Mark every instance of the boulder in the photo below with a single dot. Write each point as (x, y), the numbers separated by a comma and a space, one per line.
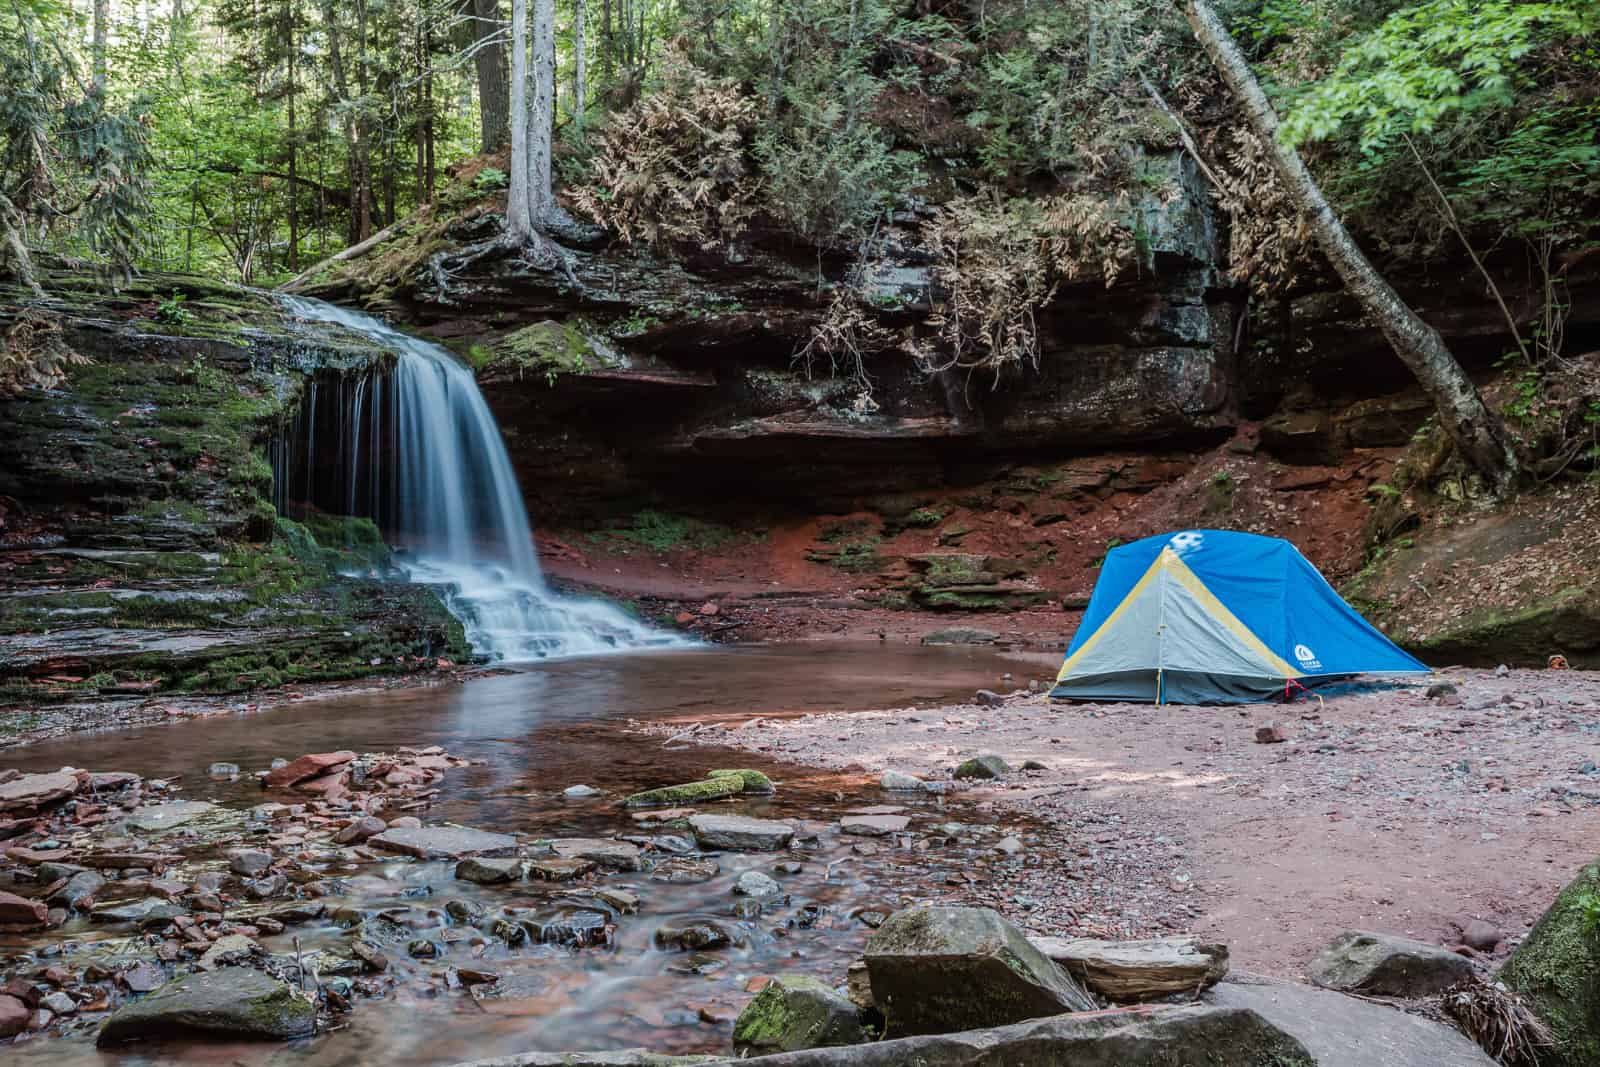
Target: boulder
(753, 781)
(756, 884)
(235, 1003)
(309, 766)
(1359, 961)
(1557, 970)
(175, 813)
(1139, 970)
(612, 855)
(1144, 1036)
(21, 912)
(489, 871)
(899, 781)
(1341, 1031)
(939, 969)
(796, 1012)
(442, 842)
(985, 766)
(673, 796)
(738, 833)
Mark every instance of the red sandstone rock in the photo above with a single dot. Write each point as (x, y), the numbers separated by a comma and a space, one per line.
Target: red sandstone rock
(16, 911)
(308, 766)
(13, 1016)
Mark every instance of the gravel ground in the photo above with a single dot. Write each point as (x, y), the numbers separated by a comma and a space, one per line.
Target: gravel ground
(1383, 809)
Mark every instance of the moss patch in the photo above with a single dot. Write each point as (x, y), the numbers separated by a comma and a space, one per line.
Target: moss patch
(1558, 970)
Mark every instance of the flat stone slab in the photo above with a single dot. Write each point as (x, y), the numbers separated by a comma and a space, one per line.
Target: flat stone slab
(312, 765)
(443, 842)
(614, 855)
(1341, 1031)
(873, 825)
(741, 834)
(1138, 970)
(33, 790)
(175, 813)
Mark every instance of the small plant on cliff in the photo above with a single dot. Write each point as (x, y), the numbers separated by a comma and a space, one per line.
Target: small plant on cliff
(171, 312)
(672, 168)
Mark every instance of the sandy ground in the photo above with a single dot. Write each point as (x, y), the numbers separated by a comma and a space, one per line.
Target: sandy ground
(1385, 809)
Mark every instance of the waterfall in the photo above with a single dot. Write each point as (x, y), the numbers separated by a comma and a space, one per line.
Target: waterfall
(417, 450)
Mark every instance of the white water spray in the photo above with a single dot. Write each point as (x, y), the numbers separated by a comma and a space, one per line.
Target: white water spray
(437, 471)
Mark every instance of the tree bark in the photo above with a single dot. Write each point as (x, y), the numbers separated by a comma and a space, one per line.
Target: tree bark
(519, 220)
(489, 60)
(102, 20)
(580, 65)
(294, 154)
(1478, 433)
(542, 116)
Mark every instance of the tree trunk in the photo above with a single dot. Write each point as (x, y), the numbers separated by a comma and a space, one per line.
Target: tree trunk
(489, 59)
(1477, 432)
(541, 119)
(294, 154)
(519, 221)
(102, 20)
(580, 65)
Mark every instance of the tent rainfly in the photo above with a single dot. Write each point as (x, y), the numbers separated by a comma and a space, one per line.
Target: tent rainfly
(1215, 617)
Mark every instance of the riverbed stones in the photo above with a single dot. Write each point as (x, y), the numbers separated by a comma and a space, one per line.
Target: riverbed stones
(680, 870)
(939, 969)
(489, 870)
(556, 869)
(38, 790)
(368, 826)
(249, 862)
(14, 1016)
(873, 825)
(740, 834)
(569, 925)
(443, 842)
(796, 1012)
(612, 855)
(142, 977)
(79, 892)
(673, 796)
(22, 913)
(900, 782)
(234, 1003)
(758, 885)
(1557, 970)
(312, 765)
(1128, 971)
(984, 766)
(1360, 961)
(149, 913)
(227, 951)
(695, 933)
(168, 816)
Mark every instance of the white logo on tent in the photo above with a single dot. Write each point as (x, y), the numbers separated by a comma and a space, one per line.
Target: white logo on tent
(1186, 542)
(1307, 658)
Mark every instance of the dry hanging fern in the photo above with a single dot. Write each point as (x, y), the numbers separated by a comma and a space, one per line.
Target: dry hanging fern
(1500, 1022)
(673, 168)
(33, 354)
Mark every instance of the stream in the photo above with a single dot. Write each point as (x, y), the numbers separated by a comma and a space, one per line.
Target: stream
(530, 734)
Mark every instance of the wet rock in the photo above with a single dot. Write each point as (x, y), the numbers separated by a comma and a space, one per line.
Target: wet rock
(266, 888)
(149, 913)
(489, 871)
(372, 959)
(79, 892)
(580, 792)
(695, 933)
(249, 862)
(1385, 965)
(612, 855)
(681, 871)
(174, 813)
(901, 782)
(938, 969)
(559, 870)
(984, 766)
(223, 772)
(14, 1016)
(360, 830)
(227, 951)
(697, 964)
(309, 766)
(442, 842)
(1139, 970)
(20, 912)
(673, 796)
(753, 781)
(737, 833)
(58, 1003)
(1341, 1031)
(142, 977)
(746, 909)
(756, 884)
(620, 900)
(873, 825)
(796, 1012)
(37, 790)
(573, 926)
(235, 1003)
(422, 949)
(464, 911)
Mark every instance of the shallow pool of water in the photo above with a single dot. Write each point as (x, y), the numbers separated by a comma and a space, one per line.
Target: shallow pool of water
(531, 734)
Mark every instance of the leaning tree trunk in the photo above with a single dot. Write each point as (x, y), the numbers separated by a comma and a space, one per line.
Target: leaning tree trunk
(519, 221)
(1477, 432)
(541, 118)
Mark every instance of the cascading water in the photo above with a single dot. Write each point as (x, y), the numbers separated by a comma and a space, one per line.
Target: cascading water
(418, 450)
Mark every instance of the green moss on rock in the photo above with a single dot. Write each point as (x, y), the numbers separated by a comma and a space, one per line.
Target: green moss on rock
(1557, 969)
(673, 796)
(753, 781)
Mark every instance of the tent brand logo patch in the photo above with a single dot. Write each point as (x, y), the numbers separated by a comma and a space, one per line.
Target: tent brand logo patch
(1307, 657)
(1187, 542)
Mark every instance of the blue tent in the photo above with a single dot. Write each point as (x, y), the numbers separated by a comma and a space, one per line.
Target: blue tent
(1214, 617)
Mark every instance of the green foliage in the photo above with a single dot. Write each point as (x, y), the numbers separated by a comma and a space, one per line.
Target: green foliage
(170, 310)
(660, 531)
(490, 179)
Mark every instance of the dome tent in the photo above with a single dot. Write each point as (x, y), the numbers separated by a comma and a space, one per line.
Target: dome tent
(1215, 617)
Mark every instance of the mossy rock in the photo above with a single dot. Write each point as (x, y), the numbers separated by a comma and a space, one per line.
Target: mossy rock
(754, 781)
(236, 1003)
(1557, 969)
(985, 766)
(796, 1012)
(673, 796)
